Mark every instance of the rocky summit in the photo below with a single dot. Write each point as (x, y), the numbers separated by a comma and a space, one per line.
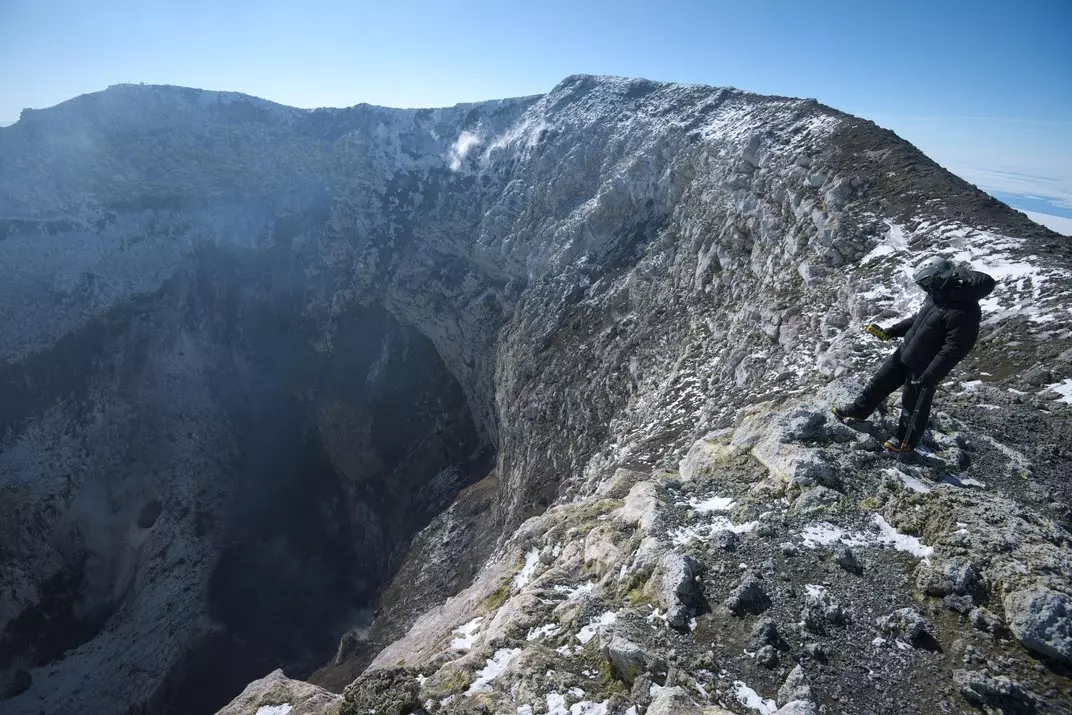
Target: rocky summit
(514, 407)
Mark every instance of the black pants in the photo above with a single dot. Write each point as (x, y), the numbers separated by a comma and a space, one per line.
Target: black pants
(890, 376)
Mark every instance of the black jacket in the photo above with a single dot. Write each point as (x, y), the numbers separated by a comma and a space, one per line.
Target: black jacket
(945, 329)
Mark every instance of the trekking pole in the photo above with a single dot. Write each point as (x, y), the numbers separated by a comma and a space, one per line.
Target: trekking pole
(912, 421)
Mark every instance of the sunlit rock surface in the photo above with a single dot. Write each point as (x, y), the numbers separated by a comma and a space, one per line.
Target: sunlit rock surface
(579, 348)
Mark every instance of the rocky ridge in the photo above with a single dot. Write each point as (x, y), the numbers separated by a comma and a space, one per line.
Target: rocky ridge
(641, 291)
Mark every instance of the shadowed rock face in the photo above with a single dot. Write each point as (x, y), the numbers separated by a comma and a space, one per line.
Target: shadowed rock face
(248, 351)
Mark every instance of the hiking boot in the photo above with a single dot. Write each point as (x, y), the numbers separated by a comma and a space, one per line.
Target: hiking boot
(848, 413)
(896, 445)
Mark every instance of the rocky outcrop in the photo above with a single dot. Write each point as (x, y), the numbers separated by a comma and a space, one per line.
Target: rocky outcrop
(351, 313)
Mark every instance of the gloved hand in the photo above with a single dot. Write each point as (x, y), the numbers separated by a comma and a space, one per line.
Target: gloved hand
(877, 331)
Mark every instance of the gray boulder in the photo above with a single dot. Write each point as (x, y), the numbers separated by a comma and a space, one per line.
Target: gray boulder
(986, 620)
(767, 656)
(1041, 619)
(956, 576)
(906, 624)
(997, 695)
(673, 701)
(275, 688)
(676, 586)
(795, 687)
(846, 559)
(748, 596)
(629, 660)
(725, 539)
(765, 632)
(815, 500)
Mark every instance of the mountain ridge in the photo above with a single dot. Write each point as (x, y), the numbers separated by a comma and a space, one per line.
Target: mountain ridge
(598, 278)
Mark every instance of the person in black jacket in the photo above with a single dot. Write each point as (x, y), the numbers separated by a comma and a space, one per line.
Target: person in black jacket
(939, 336)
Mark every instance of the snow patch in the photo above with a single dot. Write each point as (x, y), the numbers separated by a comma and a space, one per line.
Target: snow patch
(532, 558)
(589, 632)
(752, 700)
(573, 592)
(1064, 389)
(913, 483)
(496, 666)
(556, 705)
(902, 542)
(893, 243)
(699, 532)
(548, 630)
(825, 534)
(466, 634)
(274, 709)
(711, 504)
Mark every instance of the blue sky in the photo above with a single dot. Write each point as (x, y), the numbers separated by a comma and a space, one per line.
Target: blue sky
(982, 86)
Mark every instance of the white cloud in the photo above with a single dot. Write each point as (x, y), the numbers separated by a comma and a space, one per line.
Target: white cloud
(1055, 190)
(1060, 224)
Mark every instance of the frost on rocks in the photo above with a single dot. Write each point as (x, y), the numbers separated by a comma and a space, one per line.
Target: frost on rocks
(496, 666)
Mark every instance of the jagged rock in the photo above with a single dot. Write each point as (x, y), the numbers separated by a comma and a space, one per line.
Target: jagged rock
(275, 689)
(820, 610)
(1038, 376)
(1041, 619)
(725, 540)
(906, 624)
(956, 576)
(673, 701)
(765, 632)
(748, 596)
(816, 651)
(705, 455)
(960, 604)
(985, 620)
(767, 656)
(392, 691)
(815, 500)
(846, 559)
(996, 695)
(590, 276)
(640, 693)
(675, 584)
(620, 483)
(795, 686)
(642, 505)
(629, 660)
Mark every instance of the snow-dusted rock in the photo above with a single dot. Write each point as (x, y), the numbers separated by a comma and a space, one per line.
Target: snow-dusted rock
(673, 701)
(906, 624)
(286, 696)
(598, 308)
(1041, 619)
(629, 660)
